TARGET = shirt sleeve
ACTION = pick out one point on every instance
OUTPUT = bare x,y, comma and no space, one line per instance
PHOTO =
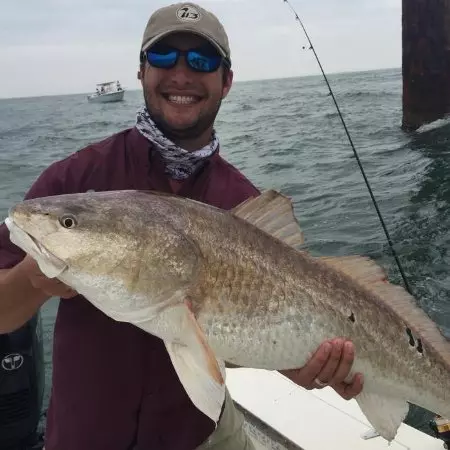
50,182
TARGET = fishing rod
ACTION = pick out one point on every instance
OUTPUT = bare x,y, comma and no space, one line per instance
391,246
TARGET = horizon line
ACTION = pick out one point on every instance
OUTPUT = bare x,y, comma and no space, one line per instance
341,72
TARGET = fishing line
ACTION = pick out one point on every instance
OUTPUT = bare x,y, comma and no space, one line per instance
391,246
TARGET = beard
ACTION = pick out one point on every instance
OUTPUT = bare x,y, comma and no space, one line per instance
204,122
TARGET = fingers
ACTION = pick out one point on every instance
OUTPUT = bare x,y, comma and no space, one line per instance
330,365
347,356
350,390
56,288
69,294
62,291
307,374
51,286
315,365
340,370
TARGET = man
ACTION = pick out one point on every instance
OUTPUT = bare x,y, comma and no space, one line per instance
113,385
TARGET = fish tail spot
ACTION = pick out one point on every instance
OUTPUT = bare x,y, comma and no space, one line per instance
412,342
419,346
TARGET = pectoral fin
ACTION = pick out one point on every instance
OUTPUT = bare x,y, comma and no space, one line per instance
198,370
201,375
384,413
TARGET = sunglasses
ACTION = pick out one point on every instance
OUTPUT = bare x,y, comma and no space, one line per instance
204,59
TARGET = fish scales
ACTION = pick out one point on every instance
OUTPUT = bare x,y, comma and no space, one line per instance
232,286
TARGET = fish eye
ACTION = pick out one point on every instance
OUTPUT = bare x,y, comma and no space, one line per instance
68,221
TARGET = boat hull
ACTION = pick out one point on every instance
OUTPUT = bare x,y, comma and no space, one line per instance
107,98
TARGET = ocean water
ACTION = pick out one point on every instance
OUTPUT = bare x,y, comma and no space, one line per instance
285,134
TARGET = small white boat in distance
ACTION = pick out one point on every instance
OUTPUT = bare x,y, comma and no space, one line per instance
108,92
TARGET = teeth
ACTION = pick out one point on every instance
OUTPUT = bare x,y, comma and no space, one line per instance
182,99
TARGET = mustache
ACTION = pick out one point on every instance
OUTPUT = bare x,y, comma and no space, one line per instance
190,89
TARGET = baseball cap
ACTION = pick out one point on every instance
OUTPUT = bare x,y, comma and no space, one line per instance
186,17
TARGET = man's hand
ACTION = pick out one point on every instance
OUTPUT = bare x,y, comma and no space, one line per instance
329,366
50,286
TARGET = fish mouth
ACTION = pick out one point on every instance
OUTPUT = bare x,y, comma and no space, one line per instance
50,265
40,247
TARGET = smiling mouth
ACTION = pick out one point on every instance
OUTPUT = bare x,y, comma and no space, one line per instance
182,99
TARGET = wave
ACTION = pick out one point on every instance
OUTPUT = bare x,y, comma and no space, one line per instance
440,123
275,167
369,94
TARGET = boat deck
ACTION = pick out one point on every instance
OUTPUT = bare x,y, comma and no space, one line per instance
283,416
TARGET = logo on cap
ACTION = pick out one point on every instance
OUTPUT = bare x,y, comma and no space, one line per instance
188,14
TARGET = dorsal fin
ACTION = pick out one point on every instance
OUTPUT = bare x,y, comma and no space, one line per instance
368,273
362,268
273,213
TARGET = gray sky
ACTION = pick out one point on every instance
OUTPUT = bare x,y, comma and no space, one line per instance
67,46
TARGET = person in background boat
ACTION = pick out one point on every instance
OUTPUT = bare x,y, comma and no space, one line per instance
118,86
113,385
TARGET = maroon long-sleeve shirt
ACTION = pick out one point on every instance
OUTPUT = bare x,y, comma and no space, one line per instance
114,386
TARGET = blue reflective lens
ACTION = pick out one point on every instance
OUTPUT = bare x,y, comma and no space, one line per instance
162,60
196,59
203,63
